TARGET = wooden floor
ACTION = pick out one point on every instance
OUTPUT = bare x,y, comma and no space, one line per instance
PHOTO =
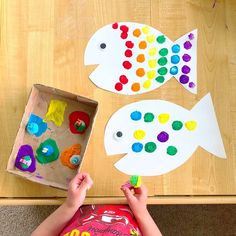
43,41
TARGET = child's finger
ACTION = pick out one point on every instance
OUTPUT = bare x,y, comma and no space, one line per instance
86,183
128,194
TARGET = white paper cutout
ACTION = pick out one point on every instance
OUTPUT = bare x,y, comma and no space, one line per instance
207,135
107,48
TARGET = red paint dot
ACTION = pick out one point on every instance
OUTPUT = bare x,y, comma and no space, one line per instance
129,44
124,35
118,86
115,25
127,65
124,28
128,53
123,79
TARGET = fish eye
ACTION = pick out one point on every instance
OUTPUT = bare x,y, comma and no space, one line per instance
103,45
118,135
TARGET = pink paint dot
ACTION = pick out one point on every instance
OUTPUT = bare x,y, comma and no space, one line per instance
124,35
128,53
127,65
123,79
124,28
115,25
118,86
129,44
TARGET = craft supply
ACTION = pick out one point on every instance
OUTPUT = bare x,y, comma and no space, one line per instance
135,181
78,122
36,126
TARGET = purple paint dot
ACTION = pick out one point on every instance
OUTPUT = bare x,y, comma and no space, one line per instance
186,57
184,79
162,137
191,85
187,45
186,69
191,36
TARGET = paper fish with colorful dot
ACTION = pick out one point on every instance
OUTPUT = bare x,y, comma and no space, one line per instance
135,58
158,136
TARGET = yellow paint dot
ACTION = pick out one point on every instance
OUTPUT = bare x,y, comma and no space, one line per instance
151,38
191,125
147,84
152,52
152,63
139,134
145,29
151,74
163,118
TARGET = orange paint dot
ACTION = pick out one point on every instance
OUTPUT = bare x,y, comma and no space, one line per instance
137,32
135,87
142,45
140,72
140,58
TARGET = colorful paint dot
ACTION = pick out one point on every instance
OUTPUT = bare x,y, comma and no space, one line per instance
129,44
135,87
163,52
171,150
145,29
162,61
175,48
128,53
150,147
152,63
115,25
136,115
186,57
161,39
136,32
191,85
139,134
191,36
152,52
148,117
177,125
186,69
140,58
162,137
163,118
151,74
191,125
140,72
174,70
124,35
175,59
147,84
150,38
183,79
118,86
187,45
162,71
137,147
127,65
124,28
142,45
160,79
123,79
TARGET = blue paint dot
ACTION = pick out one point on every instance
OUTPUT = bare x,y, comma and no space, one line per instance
174,70
175,48
175,59
137,147
136,115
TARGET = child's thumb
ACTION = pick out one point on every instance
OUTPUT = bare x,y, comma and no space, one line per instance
128,194
86,184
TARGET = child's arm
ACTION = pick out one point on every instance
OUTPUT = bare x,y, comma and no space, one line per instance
138,205
54,224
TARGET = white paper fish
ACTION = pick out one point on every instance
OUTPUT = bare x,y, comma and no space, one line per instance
158,136
135,58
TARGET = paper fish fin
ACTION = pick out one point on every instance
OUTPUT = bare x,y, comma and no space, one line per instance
187,57
208,131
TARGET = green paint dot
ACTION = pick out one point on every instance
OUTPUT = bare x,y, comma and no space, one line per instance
161,39
171,150
150,147
177,125
162,71
163,52
148,117
160,79
162,61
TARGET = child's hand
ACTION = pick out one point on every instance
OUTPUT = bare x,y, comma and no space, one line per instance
137,200
77,190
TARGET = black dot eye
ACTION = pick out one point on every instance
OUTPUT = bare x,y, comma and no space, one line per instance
118,135
103,45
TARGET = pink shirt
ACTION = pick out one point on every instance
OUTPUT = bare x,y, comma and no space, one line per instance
110,220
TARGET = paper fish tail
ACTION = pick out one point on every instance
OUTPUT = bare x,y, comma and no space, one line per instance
184,61
207,127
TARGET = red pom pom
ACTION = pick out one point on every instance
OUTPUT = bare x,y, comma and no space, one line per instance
124,35
128,53
118,86
124,28
127,65
129,44
123,79
115,25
